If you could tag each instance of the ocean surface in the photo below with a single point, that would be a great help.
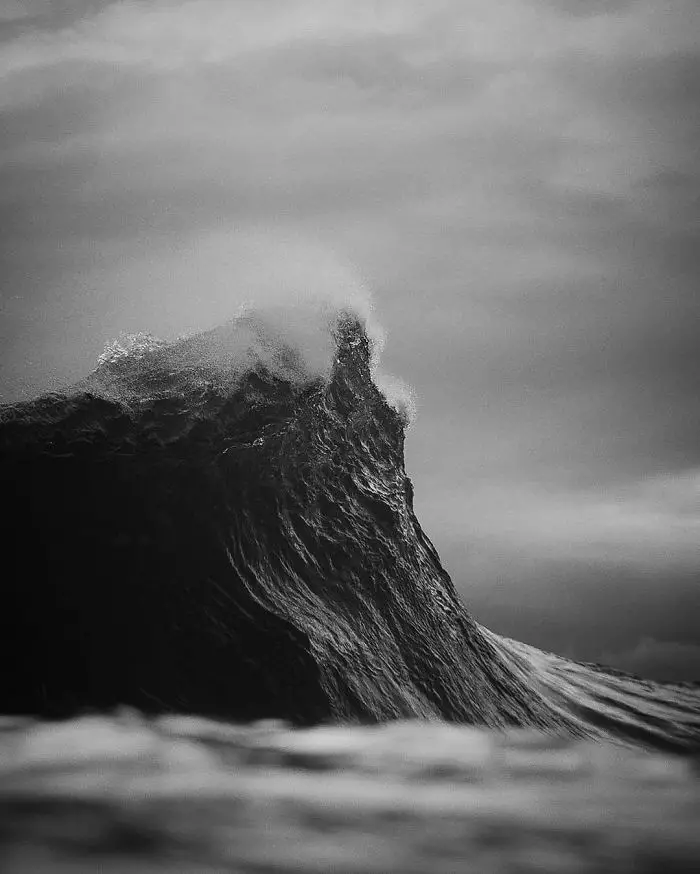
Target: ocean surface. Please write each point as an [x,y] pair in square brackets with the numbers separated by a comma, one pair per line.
[183,794]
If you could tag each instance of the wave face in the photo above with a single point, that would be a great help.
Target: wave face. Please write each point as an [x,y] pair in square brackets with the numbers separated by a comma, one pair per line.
[224,525]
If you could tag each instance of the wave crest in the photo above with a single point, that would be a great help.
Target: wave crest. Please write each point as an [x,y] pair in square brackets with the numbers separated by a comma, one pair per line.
[297,343]
[129,346]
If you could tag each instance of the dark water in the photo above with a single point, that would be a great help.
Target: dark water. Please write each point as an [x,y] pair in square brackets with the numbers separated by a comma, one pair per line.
[218,526]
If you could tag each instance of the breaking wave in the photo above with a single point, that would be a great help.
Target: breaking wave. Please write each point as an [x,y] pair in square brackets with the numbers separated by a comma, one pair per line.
[223,525]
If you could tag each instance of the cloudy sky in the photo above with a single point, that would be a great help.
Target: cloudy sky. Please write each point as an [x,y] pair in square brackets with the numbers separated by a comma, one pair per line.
[516,182]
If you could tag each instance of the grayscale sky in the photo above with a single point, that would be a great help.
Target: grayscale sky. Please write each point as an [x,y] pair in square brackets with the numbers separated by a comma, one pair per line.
[518,184]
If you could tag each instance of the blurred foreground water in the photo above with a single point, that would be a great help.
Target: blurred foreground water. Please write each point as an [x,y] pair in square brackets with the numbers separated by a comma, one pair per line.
[180,794]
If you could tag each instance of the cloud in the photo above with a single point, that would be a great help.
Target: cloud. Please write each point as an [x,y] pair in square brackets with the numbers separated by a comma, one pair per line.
[658,660]
[591,8]
[649,524]
[571,570]
[15,10]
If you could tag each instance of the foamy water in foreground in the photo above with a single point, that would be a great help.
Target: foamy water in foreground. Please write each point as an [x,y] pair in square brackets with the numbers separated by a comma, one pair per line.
[123,793]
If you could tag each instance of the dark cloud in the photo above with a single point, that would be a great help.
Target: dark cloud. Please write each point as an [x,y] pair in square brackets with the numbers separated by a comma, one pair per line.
[583,609]
[18,17]
[659,660]
[589,8]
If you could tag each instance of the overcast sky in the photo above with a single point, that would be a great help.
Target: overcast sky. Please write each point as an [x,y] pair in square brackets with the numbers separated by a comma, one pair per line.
[518,184]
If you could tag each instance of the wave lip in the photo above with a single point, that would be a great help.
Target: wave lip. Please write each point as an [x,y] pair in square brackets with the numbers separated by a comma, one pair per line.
[224,525]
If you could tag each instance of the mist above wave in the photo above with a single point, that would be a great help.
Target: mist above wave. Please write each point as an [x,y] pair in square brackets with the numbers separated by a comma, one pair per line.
[297,342]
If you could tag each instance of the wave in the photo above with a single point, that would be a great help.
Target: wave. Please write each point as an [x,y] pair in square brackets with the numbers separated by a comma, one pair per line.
[223,525]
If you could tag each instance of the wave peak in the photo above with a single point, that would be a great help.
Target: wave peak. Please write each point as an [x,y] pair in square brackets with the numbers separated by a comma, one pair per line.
[224,525]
